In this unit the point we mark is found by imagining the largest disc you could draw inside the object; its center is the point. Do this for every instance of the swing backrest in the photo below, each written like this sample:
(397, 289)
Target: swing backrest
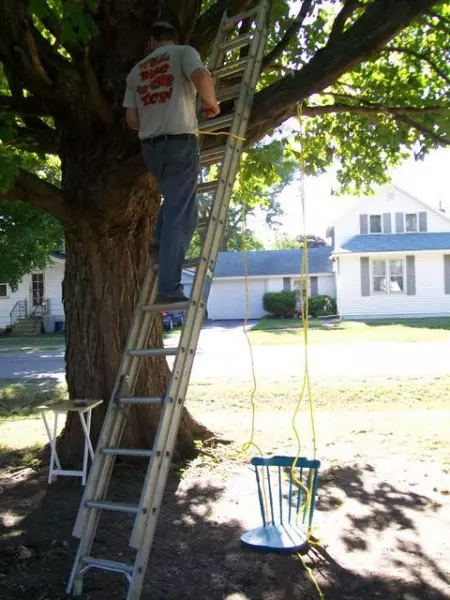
(282, 500)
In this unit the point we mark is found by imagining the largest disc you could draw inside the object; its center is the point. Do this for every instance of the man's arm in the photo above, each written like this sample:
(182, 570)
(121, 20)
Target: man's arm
(132, 118)
(195, 70)
(205, 87)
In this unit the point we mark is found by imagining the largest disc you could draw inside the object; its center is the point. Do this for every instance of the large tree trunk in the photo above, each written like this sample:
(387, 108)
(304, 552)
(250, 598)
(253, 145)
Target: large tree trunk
(106, 260)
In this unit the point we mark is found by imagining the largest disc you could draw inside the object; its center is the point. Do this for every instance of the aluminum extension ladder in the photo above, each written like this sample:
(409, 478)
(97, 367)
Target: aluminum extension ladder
(244, 73)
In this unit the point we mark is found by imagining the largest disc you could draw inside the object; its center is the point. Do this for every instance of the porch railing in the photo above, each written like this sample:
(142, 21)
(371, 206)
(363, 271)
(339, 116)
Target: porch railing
(19, 311)
(42, 309)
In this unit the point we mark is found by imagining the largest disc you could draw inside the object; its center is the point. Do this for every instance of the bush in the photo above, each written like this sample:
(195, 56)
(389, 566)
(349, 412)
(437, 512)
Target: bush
(321, 306)
(280, 304)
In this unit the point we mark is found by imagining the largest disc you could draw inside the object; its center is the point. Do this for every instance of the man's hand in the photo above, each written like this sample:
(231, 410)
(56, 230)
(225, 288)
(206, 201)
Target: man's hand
(211, 110)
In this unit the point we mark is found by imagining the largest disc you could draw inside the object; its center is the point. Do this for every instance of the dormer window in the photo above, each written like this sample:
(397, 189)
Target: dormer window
(375, 224)
(411, 222)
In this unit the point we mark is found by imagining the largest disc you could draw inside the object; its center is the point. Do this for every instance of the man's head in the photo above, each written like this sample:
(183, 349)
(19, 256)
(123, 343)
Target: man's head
(162, 33)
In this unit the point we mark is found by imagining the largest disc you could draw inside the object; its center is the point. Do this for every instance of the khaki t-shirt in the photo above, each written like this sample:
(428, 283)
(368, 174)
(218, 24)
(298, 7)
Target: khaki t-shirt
(160, 88)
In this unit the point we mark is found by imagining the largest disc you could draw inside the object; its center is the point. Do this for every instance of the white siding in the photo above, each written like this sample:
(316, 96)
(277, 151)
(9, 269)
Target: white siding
(53, 278)
(327, 285)
(430, 298)
(7, 304)
(388, 200)
(227, 299)
(275, 284)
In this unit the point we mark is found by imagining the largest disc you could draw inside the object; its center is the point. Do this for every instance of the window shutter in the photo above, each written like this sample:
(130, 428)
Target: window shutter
(286, 283)
(423, 221)
(363, 224)
(387, 223)
(447, 273)
(314, 286)
(411, 275)
(365, 276)
(399, 223)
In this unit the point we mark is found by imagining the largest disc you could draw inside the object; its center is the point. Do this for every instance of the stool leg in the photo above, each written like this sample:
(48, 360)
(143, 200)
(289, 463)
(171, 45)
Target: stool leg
(53, 456)
(87, 442)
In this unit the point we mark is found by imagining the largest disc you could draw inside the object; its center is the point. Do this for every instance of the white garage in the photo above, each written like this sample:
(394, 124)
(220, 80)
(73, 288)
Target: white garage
(268, 271)
(227, 299)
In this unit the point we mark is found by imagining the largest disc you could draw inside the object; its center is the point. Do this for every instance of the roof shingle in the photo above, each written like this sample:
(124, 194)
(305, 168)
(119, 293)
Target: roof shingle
(397, 242)
(273, 262)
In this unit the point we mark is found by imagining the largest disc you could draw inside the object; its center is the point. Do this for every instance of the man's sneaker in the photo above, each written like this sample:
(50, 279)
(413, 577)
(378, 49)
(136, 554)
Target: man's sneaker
(161, 299)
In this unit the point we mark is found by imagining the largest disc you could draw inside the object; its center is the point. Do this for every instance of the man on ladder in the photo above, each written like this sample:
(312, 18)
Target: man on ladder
(160, 102)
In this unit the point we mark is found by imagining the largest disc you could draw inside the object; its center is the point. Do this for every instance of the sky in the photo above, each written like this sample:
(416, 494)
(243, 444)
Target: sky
(426, 180)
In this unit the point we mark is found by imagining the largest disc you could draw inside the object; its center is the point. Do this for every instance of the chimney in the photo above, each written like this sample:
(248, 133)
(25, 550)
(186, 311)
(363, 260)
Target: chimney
(441, 208)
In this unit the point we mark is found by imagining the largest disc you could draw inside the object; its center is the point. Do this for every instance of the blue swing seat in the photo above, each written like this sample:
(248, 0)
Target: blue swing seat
(290, 513)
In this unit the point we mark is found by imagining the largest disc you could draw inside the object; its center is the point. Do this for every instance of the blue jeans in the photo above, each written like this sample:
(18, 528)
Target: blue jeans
(175, 164)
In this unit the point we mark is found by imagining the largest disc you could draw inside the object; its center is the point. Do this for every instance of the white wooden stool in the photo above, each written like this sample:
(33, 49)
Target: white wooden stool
(67, 406)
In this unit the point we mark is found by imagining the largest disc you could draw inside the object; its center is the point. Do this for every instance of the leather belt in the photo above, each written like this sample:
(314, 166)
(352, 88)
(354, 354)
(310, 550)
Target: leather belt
(171, 136)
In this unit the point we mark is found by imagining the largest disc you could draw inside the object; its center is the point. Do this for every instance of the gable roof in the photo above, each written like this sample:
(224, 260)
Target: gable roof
(273, 262)
(359, 202)
(396, 242)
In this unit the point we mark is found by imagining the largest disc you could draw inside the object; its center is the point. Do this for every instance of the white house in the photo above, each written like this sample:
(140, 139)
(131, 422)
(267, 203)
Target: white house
(392, 258)
(34, 289)
(267, 271)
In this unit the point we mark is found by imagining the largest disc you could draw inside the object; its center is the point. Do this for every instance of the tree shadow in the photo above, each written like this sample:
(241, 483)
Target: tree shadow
(19, 399)
(197, 552)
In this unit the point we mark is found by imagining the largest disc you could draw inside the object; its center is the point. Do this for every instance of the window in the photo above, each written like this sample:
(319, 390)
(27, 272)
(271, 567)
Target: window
(3, 290)
(387, 276)
(375, 224)
(411, 223)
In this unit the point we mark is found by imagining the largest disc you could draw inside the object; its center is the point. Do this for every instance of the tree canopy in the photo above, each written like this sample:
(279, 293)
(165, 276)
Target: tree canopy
(372, 77)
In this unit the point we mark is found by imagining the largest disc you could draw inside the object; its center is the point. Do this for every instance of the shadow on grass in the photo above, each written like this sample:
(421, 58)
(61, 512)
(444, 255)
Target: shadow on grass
(198, 556)
(31, 456)
(19, 399)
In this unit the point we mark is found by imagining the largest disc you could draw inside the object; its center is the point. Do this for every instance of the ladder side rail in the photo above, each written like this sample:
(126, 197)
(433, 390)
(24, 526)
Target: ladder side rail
(113, 424)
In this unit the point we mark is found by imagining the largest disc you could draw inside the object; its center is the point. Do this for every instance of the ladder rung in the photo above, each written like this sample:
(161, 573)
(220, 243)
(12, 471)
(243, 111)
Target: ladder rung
(182, 305)
(107, 565)
(191, 263)
(241, 17)
(141, 400)
(217, 123)
(154, 352)
(231, 68)
(127, 452)
(237, 42)
(202, 223)
(228, 93)
(212, 155)
(207, 187)
(115, 506)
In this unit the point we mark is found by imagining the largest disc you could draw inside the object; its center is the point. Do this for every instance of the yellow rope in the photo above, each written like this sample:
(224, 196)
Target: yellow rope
(304, 301)
(233, 135)
(251, 442)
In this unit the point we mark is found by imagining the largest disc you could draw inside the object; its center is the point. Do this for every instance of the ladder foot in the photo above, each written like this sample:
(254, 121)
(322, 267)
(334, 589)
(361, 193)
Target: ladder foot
(77, 588)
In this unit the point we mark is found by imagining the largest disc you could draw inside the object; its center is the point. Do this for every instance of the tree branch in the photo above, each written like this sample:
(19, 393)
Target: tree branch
(34, 190)
(442, 140)
(23, 106)
(290, 34)
(381, 22)
(315, 111)
(345, 13)
(419, 56)
(37, 138)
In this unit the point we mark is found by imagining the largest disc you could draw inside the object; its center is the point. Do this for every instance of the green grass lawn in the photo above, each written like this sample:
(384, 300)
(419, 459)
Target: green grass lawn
(32, 343)
(289, 331)
(401, 417)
